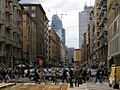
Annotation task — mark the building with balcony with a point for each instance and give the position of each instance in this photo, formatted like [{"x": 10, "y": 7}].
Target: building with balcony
[
  {"x": 91, "y": 38},
  {"x": 63, "y": 52},
  {"x": 58, "y": 27},
  {"x": 46, "y": 42},
  {"x": 113, "y": 16},
  {"x": 101, "y": 45},
  {"x": 10, "y": 31},
  {"x": 85, "y": 49},
  {"x": 54, "y": 49}
]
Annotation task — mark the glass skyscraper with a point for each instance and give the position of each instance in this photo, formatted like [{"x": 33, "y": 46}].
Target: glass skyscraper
[
  {"x": 83, "y": 22},
  {"x": 58, "y": 27}
]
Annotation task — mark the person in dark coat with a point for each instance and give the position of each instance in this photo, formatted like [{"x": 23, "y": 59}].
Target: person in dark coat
[
  {"x": 98, "y": 76},
  {"x": 84, "y": 75},
  {"x": 77, "y": 77},
  {"x": 36, "y": 76},
  {"x": 71, "y": 77},
  {"x": 65, "y": 76}
]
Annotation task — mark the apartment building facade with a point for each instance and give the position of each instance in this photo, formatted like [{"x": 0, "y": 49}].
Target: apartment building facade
[
  {"x": 46, "y": 42},
  {"x": 54, "y": 49},
  {"x": 38, "y": 14},
  {"x": 101, "y": 32},
  {"x": 113, "y": 16},
  {"x": 91, "y": 38},
  {"x": 28, "y": 39},
  {"x": 10, "y": 26}
]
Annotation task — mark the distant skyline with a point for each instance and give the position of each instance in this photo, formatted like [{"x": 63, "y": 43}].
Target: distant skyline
[{"x": 69, "y": 10}]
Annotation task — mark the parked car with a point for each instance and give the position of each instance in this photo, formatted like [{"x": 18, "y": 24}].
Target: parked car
[
  {"x": 48, "y": 74},
  {"x": 31, "y": 74},
  {"x": 93, "y": 72}
]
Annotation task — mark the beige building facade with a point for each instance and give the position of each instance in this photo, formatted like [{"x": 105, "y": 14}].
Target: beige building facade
[
  {"x": 101, "y": 32},
  {"x": 113, "y": 16},
  {"x": 54, "y": 49},
  {"x": 38, "y": 14},
  {"x": 28, "y": 39},
  {"x": 91, "y": 29}
]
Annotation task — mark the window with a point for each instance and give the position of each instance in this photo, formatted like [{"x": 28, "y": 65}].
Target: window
[
  {"x": 117, "y": 24},
  {"x": 0, "y": 28},
  {"x": 0, "y": 2},
  {"x": 25, "y": 7},
  {"x": 33, "y": 15},
  {"x": 0, "y": 13},
  {"x": 33, "y": 7},
  {"x": 97, "y": 33},
  {"x": 0, "y": 46}
]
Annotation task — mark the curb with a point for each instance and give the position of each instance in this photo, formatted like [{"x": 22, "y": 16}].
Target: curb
[
  {"x": 7, "y": 85},
  {"x": 86, "y": 87}
]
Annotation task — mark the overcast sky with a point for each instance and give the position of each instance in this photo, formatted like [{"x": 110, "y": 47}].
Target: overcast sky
[{"x": 70, "y": 10}]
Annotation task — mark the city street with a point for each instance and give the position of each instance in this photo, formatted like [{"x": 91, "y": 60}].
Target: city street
[
  {"x": 26, "y": 85},
  {"x": 59, "y": 44}
]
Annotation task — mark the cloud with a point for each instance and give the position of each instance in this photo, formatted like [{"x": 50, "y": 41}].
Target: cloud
[
  {"x": 63, "y": 5},
  {"x": 70, "y": 21}
]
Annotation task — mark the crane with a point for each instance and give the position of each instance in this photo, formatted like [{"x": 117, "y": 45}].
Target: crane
[{"x": 62, "y": 15}]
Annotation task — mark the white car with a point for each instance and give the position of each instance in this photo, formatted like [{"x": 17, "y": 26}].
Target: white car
[{"x": 93, "y": 72}]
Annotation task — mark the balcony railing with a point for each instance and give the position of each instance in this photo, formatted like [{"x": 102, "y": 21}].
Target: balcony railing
[
  {"x": 2, "y": 39},
  {"x": 15, "y": 4},
  {"x": 10, "y": 1},
  {"x": 8, "y": 26},
  {"x": 8, "y": 10}
]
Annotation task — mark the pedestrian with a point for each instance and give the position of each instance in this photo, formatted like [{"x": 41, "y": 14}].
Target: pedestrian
[
  {"x": 36, "y": 76},
  {"x": 42, "y": 76},
  {"x": 54, "y": 75},
  {"x": 65, "y": 75},
  {"x": 77, "y": 77},
  {"x": 88, "y": 74},
  {"x": 98, "y": 76},
  {"x": 1, "y": 78},
  {"x": 84, "y": 74},
  {"x": 71, "y": 77}
]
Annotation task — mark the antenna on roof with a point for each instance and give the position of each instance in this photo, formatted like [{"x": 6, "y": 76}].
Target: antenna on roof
[{"x": 62, "y": 15}]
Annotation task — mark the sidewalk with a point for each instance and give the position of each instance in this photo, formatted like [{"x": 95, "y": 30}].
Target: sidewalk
[
  {"x": 99, "y": 86},
  {"x": 5, "y": 85},
  {"x": 81, "y": 87}
]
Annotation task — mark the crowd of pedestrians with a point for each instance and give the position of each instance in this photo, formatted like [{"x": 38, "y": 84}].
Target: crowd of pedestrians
[
  {"x": 6, "y": 74},
  {"x": 80, "y": 75},
  {"x": 77, "y": 75}
]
